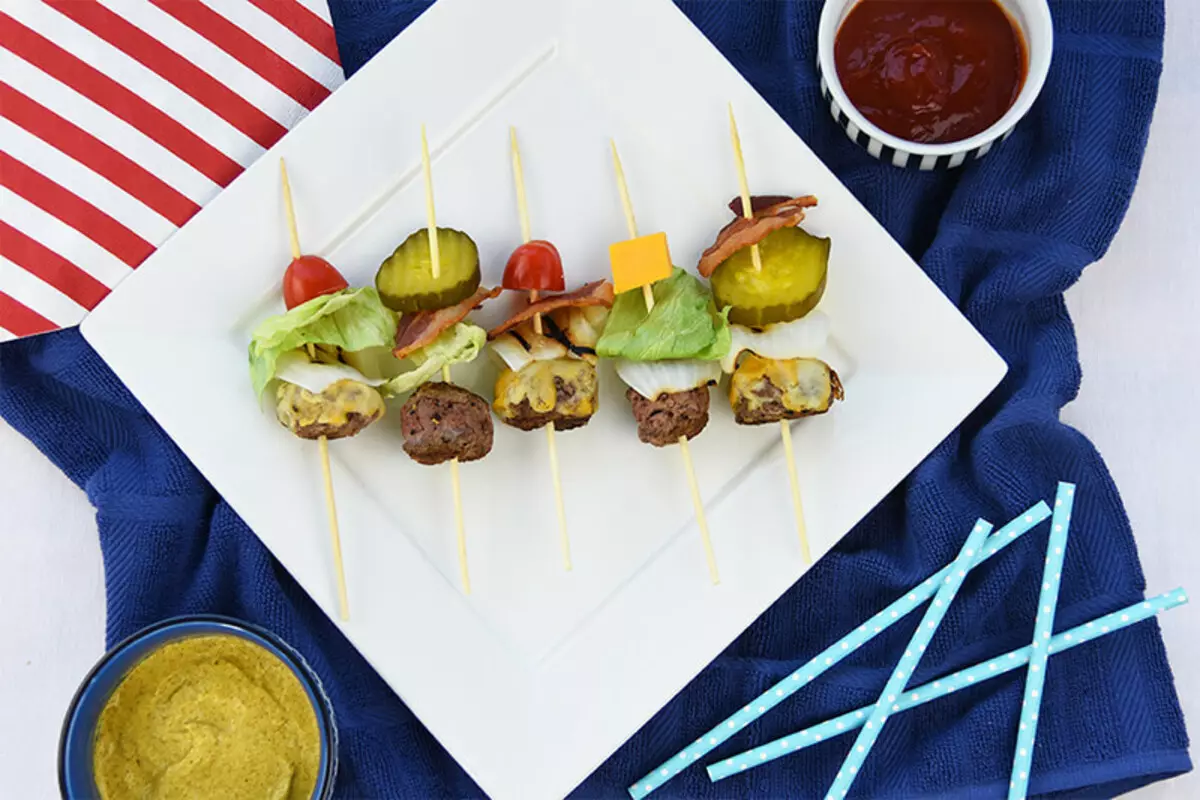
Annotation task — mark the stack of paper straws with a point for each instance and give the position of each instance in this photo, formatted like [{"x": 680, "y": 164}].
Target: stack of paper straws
[{"x": 897, "y": 696}]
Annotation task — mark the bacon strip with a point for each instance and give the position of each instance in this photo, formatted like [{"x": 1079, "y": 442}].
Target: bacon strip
[
  {"x": 418, "y": 330},
  {"x": 596, "y": 293},
  {"x": 758, "y": 202},
  {"x": 742, "y": 232}
]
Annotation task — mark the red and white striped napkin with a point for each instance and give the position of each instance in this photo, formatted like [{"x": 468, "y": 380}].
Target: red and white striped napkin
[{"x": 119, "y": 119}]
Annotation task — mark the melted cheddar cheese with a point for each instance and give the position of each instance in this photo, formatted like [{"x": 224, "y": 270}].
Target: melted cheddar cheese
[
  {"x": 536, "y": 382},
  {"x": 805, "y": 384},
  {"x": 297, "y": 408}
]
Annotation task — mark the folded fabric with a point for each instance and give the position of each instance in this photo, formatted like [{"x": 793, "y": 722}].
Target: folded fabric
[{"x": 1003, "y": 238}]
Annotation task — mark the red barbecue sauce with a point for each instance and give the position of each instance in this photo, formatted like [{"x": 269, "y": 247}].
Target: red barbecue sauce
[{"x": 930, "y": 70}]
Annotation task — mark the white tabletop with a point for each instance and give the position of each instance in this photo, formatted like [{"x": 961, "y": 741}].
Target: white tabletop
[{"x": 1133, "y": 313}]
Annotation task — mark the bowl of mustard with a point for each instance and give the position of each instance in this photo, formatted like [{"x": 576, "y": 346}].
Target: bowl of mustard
[{"x": 199, "y": 706}]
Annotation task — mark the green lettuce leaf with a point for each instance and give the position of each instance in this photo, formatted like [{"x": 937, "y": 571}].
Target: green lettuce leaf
[
  {"x": 685, "y": 323},
  {"x": 352, "y": 319},
  {"x": 456, "y": 345}
]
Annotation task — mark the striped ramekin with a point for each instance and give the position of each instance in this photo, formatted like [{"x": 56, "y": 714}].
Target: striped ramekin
[{"x": 1033, "y": 19}]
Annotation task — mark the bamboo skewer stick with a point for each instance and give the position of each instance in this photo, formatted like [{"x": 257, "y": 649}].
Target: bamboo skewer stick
[
  {"x": 434, "y": 255},
  {"x": 330, "y": 504},
  {"x": 630, "y": 221},
  {"x": 785, "y": 430},
  {"x": 551, "y": 444},
  {"x": 435, "y": 260},
  {"x": 747, "y": 211},
  {"x": 648, "y": 296}
]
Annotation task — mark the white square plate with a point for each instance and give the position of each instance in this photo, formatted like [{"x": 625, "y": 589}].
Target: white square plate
[{"x": 533, "y": 680}]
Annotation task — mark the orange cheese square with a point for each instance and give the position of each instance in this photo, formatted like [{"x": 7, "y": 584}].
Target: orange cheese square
[{"x": 636, "y": 262}]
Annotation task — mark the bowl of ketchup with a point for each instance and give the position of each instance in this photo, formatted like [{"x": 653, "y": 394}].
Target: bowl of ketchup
[{"x": 932, "y": 84}]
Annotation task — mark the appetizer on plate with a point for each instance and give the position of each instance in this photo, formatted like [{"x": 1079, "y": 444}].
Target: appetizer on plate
[
  {"x": 549, "y": 375},
  {"x": 664, "y": 341},
  {"x": 318, "y": 394},
  {"x": 440, "y": 421},
  {"x": 668, "y": 355},
  {"x": 776, "y": 336},
  {"x": 305, "y": 352}
]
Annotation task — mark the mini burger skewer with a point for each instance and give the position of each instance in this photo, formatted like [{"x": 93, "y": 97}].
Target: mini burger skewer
[
  {"x": 435, "y": 255},
  {"x": 768, "y": 275},
  {"x": 323, "y": 441},
  {"x": 785, "y": 429},
  {"x": 685, "y": 451},
  {"x": 551, "y": 444}
]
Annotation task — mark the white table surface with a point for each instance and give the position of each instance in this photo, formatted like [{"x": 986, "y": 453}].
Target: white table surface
[{"x": 1138, "y": 341}]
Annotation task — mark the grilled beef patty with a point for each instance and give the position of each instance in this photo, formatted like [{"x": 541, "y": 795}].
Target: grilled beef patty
[
  {"x": 442, "y": 421},
  {"x": 663, "y": 420}
]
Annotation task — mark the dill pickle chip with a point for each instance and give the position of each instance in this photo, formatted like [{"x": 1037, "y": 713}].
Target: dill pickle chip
[
  {"x": 405, "y": 279},
  {"x": 792, "y": 280}
]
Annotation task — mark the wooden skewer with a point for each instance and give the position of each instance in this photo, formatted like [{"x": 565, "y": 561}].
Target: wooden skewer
[
  {"x": 785, "y": 430},
  {"x": 648, "y": 296},
  {"x": 551, "y": 444},
  {"x": 435, "y": 256},
  {"x": 330, "y": 504},
  {"x": 523, "y": 209},
  {"x": 630, "y": 222},
  {"x": 785, "y": 433},
  {"x": 747, "y": 211}
]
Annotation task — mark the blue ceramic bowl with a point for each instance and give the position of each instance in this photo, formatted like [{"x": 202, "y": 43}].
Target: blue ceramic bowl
[{"x": 75, "y": 778}]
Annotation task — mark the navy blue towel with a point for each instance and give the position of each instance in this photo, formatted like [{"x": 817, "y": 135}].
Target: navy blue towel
[{"x": 1003, "y": 238}]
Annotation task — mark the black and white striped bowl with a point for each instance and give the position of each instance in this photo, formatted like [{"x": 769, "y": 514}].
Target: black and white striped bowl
[{"x": 1033, "y": 19}]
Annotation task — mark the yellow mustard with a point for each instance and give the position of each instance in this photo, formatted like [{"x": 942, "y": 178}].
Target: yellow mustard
[{"x": 208, "y": 716}]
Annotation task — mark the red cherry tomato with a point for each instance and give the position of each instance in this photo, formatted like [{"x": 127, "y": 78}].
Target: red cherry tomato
[
  {"x": 535, "y": 266},
  {"x": 308, "y": 277}
]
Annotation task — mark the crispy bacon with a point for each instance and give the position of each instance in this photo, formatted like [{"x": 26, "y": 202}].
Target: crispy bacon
[
  {"x": 744, "y": 232},
  {"x": 596, "y": 293},
  {"x": 417, "y": 330},
  {"x": 758, "y": 203}
]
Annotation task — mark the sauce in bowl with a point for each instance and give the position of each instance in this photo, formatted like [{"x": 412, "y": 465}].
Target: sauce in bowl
[
  {"x": 930, "y": 71},
  {"x": 208, "y": 716}
]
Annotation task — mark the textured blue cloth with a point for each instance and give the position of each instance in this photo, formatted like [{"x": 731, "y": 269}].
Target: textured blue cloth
[{"x": 1003, "y": 239}]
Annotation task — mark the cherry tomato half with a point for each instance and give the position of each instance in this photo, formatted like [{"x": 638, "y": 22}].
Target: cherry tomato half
[
  {"x": 308, "y": 277},
  {"x": 535, "y": 266}
]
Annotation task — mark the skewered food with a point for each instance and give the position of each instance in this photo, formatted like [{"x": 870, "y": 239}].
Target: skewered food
[
  {"x": 441, "y": 422},
  {"x": 687, "y": 323},
  {"x": 535, "y": 266},
  {"x": 766, "y": 390},
  {"x": 670, "y": 415},
  {"x": 561, "y": 392},
  {"x": 340, "y": 410},
  {"x": 319, "y": 394},
  {"x": 794, "y": 265},
  {"x": 549, "y": 377},
  {"x": 776, "y": 344},
  {"x": 406, "y": 281},
  {"x": 667, "y": 355},
  {"x": 308, "y": 277}
]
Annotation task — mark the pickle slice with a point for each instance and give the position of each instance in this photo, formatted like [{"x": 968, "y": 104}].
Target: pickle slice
[
  {"x": 405, "y": 279},
  {"x": 792, "y": 280}
]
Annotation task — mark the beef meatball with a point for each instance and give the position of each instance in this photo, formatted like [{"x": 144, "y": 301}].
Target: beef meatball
[
  {"x": 442, "y": 421},
  {"x": 664, "y": 419},
  {"x": 560, "y": 391},
  {"x": 764, "y": 390},
  {"x": 343, "y": 409}
]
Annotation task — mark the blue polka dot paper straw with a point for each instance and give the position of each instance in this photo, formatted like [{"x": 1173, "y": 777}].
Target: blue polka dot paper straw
[
  {"x": 969, "y": 676},
  {"x": 908, "y": 662},
  {"x": 830, "y": 656},
  {"x": 1043, "y": 628}
]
